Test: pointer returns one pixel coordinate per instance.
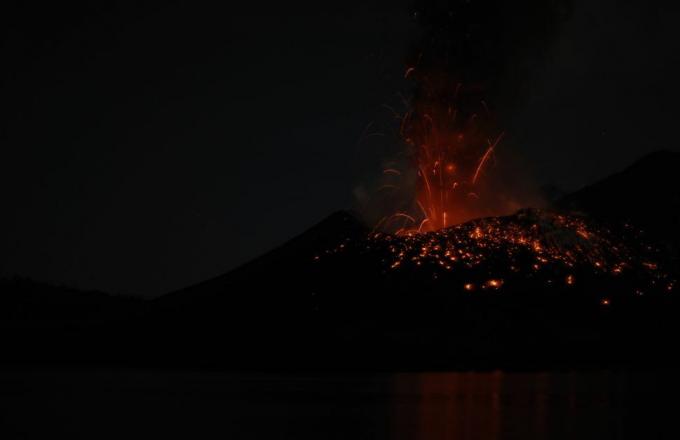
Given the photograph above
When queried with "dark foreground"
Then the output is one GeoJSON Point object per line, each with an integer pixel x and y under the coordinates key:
{"type": "Point", "coordinates": [132, 404]}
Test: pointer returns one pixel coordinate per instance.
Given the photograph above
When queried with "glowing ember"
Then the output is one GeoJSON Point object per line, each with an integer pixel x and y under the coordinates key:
{"type": "Point", "coordinates": [451, 143]}
{"type": "Point", "coordinates": [549, 238]}
{"type": "Point", "coordinates": [500, 252]}
{"type": "Point", "coordinates": [494, 284]}
{"type": "Point", "coordinates": [450, 151]}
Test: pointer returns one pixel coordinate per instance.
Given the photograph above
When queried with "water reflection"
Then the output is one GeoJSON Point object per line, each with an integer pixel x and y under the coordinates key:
{"type": "Point", "coordinates": [457, 406]}
{"type": "Point", "coordinates": [532, 406]}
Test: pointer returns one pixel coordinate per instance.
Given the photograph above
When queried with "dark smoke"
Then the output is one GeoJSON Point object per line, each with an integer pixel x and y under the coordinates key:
{"type": "Point", "coordinates": [492, 46]}
{"type": "Point", "coordinates": [489, 51]}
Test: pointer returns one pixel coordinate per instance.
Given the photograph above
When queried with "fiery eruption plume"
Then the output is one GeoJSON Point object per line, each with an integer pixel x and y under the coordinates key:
{"type": "Point", "coordinates": [451, 141]}
{"type": "Point", "coordinates": [451, 145]}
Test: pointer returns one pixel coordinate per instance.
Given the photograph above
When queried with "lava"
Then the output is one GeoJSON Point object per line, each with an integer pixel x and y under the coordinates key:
{"type": "Point", "coordinates": [496, 252]}
{"type": "Point", "coordinates": [450, 141]}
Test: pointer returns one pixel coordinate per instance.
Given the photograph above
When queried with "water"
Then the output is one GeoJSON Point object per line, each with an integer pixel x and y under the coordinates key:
{"type": "Point", "coordinates": [149, 405]}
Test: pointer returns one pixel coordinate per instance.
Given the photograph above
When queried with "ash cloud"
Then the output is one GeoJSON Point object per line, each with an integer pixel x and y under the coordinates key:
{"type": "Point", "coordinates": [498, 45]}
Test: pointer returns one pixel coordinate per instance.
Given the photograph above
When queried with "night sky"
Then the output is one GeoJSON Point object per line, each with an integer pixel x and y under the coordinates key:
{"type": "Point", "coordinates": [148, 148]}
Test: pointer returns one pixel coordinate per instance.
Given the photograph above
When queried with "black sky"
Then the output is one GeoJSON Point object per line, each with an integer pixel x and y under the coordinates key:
{"type": "Point", "coordinates": [146, 148]}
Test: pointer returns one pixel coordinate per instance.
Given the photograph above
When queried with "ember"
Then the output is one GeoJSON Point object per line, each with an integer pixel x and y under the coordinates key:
{"type": "Point", "coordinates": [450, 148]}
{"type": "Point", "coordinates": [530, 244]}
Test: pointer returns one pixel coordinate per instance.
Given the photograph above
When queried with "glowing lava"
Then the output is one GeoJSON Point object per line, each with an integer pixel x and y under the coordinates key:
{"type": "Point", "coordinates": [531, 246]}
{"type": "Point", "coordinates": [450, 141]}
{"type": "Point", "coordinates": [450, 156]}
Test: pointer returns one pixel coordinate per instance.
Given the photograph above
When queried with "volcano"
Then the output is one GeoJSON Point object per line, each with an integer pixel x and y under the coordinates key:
{"type": "Point", "coordinates": [557, 286]}
{"type": "Point", "coordinates": [589, 281]}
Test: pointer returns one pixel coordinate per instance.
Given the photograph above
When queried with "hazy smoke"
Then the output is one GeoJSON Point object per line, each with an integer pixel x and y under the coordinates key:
{"type": "Point", "coordinates": [496, 45]}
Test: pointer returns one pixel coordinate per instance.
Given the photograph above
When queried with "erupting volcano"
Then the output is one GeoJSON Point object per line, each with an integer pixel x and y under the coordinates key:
{"type": "Point", "coordinates": [460, 229]}
{"type": "Point", "coordinates": [467, 64]}
{"type": "Point", "coordinates": [457, 233]}
{"type": "Point", "coordinates": [450, 140]}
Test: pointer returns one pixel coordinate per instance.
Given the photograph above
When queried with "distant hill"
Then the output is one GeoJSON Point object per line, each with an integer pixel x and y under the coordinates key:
{"type": "Point", "coordinates": [44, 324]}
{"type": "Point", "coordinates": [647, 194]}
{"type": "Point", "coordinates": [277, 262]}
{"type": "Point", "coordinates": [24, 301]}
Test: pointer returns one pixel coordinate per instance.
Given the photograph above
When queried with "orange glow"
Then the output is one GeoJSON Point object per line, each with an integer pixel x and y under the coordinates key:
{"type": "Point", "coordinates": [485, 158]}
{"type": "Point", "coordinates": [494, 284]}
{"type": "Point", "coordinates": [392, 171]}
{"type": "Point", "coordinates": [542, 244]}
{"type": "Point", "coordinates": [452, 149]}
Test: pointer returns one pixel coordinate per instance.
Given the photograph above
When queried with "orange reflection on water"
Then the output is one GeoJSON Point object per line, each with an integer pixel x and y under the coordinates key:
{"type": "Point", "coordinates": [447, 406]}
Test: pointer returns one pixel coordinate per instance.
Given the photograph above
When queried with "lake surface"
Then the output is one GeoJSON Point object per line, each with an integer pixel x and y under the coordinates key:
{"type": "Point", "coordinates": [128, 404]}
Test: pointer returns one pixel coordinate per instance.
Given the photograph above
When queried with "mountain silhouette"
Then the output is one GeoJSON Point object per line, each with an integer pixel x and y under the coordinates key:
{"type": "Point", "coordinates": [330, 296]}
{"type": "Point", "coordinates": [646, 194]}
{"type": "Point", "coordinates": [591, 281]}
